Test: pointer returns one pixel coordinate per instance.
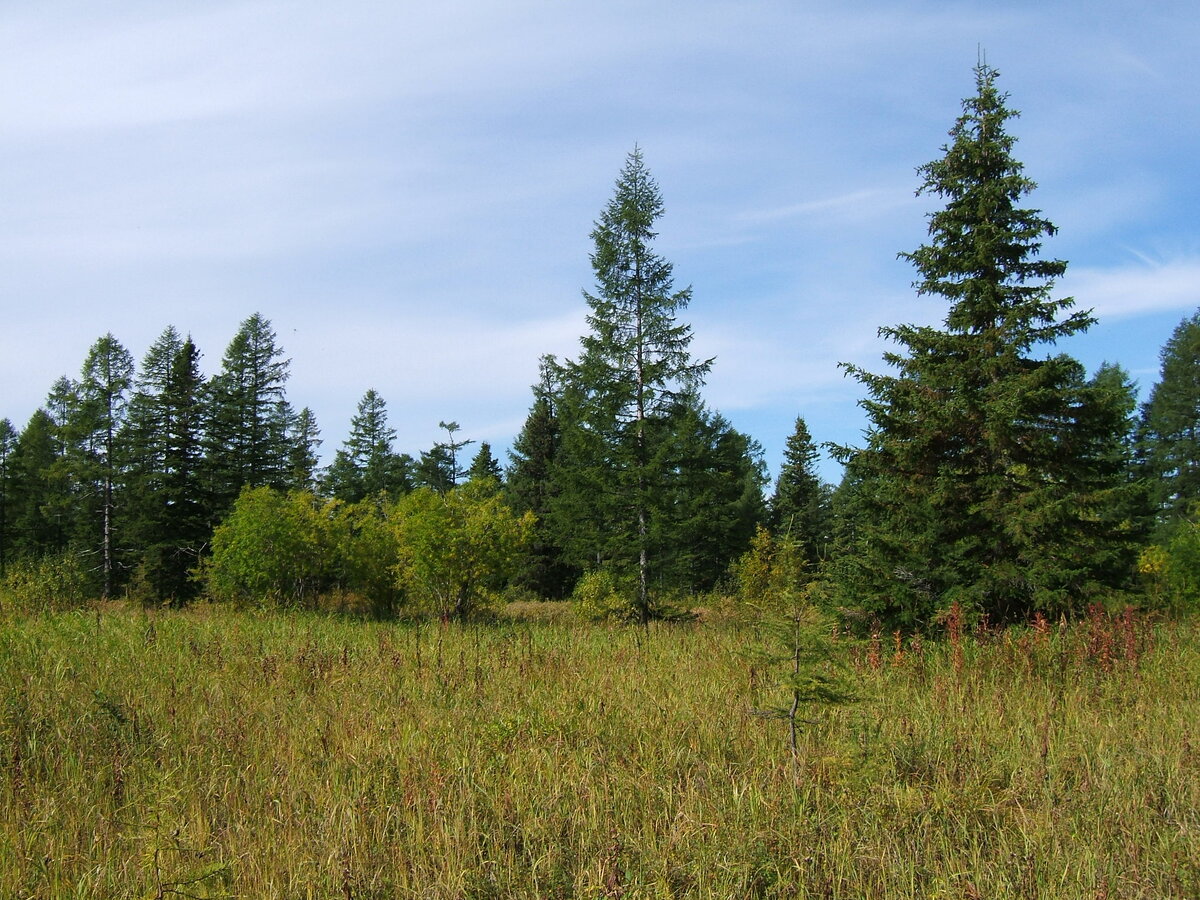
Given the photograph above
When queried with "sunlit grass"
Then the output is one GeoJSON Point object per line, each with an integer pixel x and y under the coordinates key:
{"type": "Point", "coordinates": [218, 753]}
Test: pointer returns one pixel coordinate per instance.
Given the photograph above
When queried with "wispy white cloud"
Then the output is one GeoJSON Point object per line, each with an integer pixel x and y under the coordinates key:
{"type": "Point", "coordinates": [407, 190]}
{"type": "Point", "coordinates": [1136, 289]}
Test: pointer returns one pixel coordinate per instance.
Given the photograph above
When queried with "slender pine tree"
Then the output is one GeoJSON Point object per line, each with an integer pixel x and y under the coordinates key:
{"type": "Point", "coordinates": [635, 364]}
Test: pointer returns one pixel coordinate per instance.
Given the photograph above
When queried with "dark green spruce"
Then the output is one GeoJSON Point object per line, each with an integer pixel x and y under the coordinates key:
{"type": "Point", "coordinates": [1170, 428]}
{"type": "Point", "coordinates": [800, 504]}
{"type": "Point", "coordinates": [987, 469]}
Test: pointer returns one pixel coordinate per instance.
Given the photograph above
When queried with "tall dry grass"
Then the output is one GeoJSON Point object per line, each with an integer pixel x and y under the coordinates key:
{"type": "Point", "coordinates": [210, 753]}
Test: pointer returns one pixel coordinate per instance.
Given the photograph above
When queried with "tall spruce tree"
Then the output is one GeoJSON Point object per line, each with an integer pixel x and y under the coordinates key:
{"type": "Point", "coordinates": [709, 499]}
{"type": "Point", "coordinates": [246, 433]}
{"type": "Point", "coordinates": [634, 366]}
{"type": "Point", "coordinates": [163, 436]}
{"type": "Point", "coordinates": [800, 504]}
{"type": "Point", "coordinates": [1170, 427]}
{"type": "Point", "coordinates": [484, 466]}
{"type": "Point", "coordinates": [982, 479]}
{"type": "Point", "coordinates": [36, 490]}
{"type": "Point", "coordinates": [304, 439]}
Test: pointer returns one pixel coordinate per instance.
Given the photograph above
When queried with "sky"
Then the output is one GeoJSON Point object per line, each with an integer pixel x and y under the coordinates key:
{"type": "Point", "coordinates": [406, 191]}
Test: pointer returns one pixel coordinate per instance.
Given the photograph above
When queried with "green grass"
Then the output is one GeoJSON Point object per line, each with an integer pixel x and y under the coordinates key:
{"type": "Point", "coordinates": [215, 753]}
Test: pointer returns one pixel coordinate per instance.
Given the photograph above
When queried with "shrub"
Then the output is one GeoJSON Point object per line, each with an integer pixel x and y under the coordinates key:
{"type": "Point", "coordinates": [48, 584]}
{"type": "Point", "coordinates": [601, 596]}
{"type": "Point", "coordinates": [275, 547]}
{"type": "Point", "coordinates": [456, 551]}
{"type": "Point", "coordinates": [1171, 573]}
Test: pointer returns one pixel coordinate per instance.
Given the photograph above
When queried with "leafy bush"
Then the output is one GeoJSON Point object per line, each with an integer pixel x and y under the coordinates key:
{"type": "Point", "coordinates": [601, 596]}
{"type": "Point", "coordinates": [1171, 573]}
{"type": "Point", "coordinates": [272, 547]}
{"type": "Point", "coordinates": [48, 584]}
{"type": "Point", "coordinates": [457, 550]}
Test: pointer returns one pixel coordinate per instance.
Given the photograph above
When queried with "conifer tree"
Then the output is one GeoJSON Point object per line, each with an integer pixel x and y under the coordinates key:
{"type": "Point", "coordinates": [1170, 427]}
{"type": "Point", "coordinates": [304, 439]}
{"type": "Point", "coordinates": [634, 365]}
{"type": "Point", "coordinates": [439, 467]}
{"type": "Point", "coordinates": [982, 479]}
{"type": "Point", "coordinates": [484, 466]}
{"type": "Point", "coordinates": [94, 425]}
{"type": "Point", "coordinates": [800, 504]}
{"type": "Point", "coordinates": [37, 489]}
{"type": "Point", "coordinates": [163, 436]}
{"type": "Point", "coordinates": [8, 443]}
{"type": "Point", "coordinates": [709, 495]}
{"type": "Point", "coordinates": [530, 487]}
{"type": "Point", "coordinates": [366, 465]}
{"type": "Point", "coordinates": [55, 513]}
{"type": "Point", "coordinates": [246, 433]}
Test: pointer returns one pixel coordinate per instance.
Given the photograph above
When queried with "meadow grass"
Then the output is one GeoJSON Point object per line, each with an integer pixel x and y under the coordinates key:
{"type": "Point", "coordinates": [216, 753]}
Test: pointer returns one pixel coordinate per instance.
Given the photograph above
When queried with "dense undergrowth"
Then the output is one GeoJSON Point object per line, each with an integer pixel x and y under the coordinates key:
{"type": "Point", "coordinates": [211, 753]}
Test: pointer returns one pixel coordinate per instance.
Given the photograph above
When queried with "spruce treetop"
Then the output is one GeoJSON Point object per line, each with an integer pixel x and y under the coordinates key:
{"type": "Point", "coordinates": [984, 246]}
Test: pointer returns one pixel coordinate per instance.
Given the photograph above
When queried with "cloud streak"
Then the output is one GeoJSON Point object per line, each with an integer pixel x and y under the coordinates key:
{"type": "Point", "coordinates": [407, 191]}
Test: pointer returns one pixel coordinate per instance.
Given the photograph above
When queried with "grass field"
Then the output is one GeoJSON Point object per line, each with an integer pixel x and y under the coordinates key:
{"type": "Point", "coordinates": [213, 753]}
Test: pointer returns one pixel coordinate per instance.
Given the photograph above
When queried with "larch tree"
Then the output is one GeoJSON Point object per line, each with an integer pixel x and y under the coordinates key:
{"type": "Point", "coordinates": [96, 421]}
{"type": "Point", "coordinates": [635, 364]}
{"type": "Point", "coordinates": [983, 478]}
{"type": "Point", "coordinates": [439, 467]}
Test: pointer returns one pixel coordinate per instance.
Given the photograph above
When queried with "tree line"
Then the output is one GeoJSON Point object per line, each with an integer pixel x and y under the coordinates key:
{"type": "Point", "coordinates": [994, 473]}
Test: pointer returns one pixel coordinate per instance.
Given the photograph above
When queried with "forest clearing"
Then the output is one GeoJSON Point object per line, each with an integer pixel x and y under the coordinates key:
{"type": "Point", "coordinates": [619, 665]}
{"type": "Point", "coordinates": [212, 752]}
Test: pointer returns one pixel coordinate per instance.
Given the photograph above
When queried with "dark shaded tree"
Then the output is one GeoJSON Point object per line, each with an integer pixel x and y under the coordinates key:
{"type": "Point", "coordinates": [8, 444]}
{"type": "Point", "coordinates": [168, 520]}
{"type": "Point", "coordinates": [37, 490]}
{"type": "Point", "coordinates": [530, 486]}
{"type": "Point", "coordinates": [484, 466]}
{"type": "Point", "coordinates": [709, 495]}
{"type": "Point", "coordinates": [366, 465]}
{"type": "Point", "coordinates": [439, 467]}
{"type": "Point", "coordinates": [1170, 428]}
{"type": "Point", "coordinates": [304, 441]}
{"type": "Point", "coordinates": [246, 433]}
{"type": "Point", "coordinates": [800, 504]}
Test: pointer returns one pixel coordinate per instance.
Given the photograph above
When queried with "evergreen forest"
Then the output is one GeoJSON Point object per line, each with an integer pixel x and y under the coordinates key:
{"type": "Point", "coordinates": [997, 478]}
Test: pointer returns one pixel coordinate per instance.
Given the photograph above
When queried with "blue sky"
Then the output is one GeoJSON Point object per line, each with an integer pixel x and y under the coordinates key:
{"type": "Point", "coordinates": [406, 190]}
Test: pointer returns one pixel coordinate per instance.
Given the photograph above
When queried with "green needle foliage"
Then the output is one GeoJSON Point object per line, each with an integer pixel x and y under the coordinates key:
{"type": "Point", "coordinates": [988, 468]}
{"type": "Point", "coordinates": [646, 480]}
{"type": "Point", "coordinates": [1170, 429]}
{"type": "Point", "coordinates": [794, 643]}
